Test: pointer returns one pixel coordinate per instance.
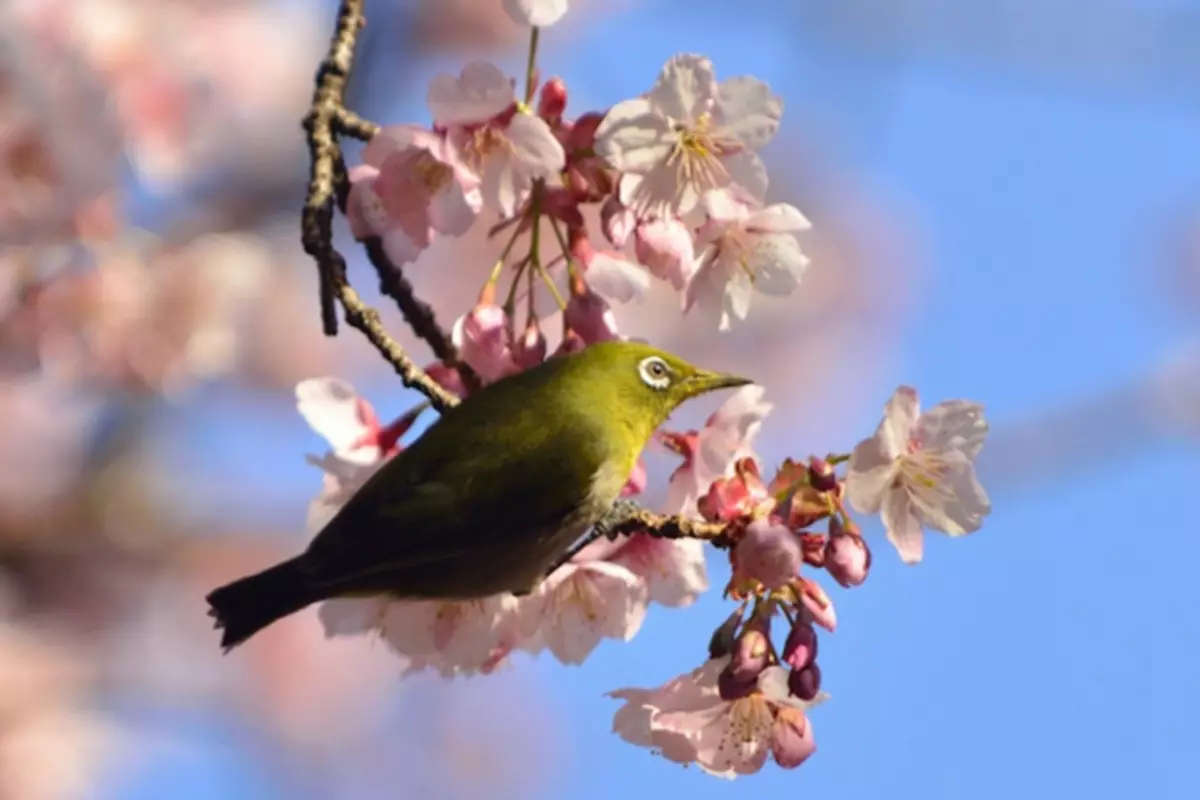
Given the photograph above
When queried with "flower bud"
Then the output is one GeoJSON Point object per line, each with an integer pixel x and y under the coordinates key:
{"type": "Point", "coordinates": [848, 559]}
{"type": "Point", "coordinates": [821, 475]}
{"type": "Point", "coordinates": [571, 343]}
{"type": "Point", "coordinates": [666, 247]}
{"type": "Point", "coordinates": [531, 347]}
{"type": "Point", "coordinates": [589, 315]}
{"type": "Point", "coordinates": [770, 553]}
{"type": "Point", "coordinates": [448, 378]}
{"type": "Point", "coordinates": [482, 339]}
{"type": "Point", "coordinates": [800, 649]}
{"type": "Point", "coordinates": [751, 653]}
{"type": "Point", "coordinates": [731, 688]}
{"type": "Point", "coordinates": [617, 222]}
{"type": "Point", "coordinates": [583, 132]}
{"type": "Point", "coordinates": [805, 683]}
{"type": "Point", "coordinates": [813, 545]}
{"type": "Point", "coordinates": [792, 740]}
{"type": "Point", "coordinates": [722, 641]}
{"type": "Point", "coordinates": [552, 101]}
{"type": "Point", "coordinates": [818, 604]}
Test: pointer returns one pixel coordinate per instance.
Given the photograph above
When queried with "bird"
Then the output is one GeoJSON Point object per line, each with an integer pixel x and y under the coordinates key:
{"type": "Point", "coordinates": [490, 496]}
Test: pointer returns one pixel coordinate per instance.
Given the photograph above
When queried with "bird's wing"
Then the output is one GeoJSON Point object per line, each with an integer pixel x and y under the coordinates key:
{"type": "Point", "coordinates": [430, 511]}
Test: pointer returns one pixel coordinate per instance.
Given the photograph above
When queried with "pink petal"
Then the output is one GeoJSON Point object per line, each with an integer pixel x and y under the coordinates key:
{"type": "Point", "coordinates": [334, 410]}
{"type": "Point", "coordinates": [481, 91]}
{"type": "Point", "coordinates": [616, 279]}
{"type": "Point", "coordinates": [903, 527]}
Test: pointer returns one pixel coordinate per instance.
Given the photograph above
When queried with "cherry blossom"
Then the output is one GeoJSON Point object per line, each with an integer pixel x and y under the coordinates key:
{"type": "Point", "coordinates": [481, 336]}
{"type": "Point", "coordinates": [688, 135]}
{"type": "Point", "coordinates": [918, 471]}
{"type": "Point", "coordinates": [666, 247]}
{"type": "Point", "coordinates": [423, 183]}
{"type": "Point", "coordinates": [674, 570]}
{"type": "Point", "coordinates": [744, 247]}
{"type": "Point", "coordinates": [710, 453]}
{"type": "Point", "coordinates": [586, 601]}
{"type": "Point", "coordinates": [536, 13]}
{"type": "Point", "coordinates": [506, 145]}
{"type": "Point", "coordinates": [687, 720]}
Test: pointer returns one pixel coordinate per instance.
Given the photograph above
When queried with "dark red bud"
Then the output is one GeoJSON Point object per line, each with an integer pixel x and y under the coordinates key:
{"type": "Point", "coordinates": [821, 476]}
{"type": "Point", "coordinates": [731, 688]}
{"type": "Point", "coordinates": [805, 683]}
{"type": "Point", "coordinates": [800, 649]}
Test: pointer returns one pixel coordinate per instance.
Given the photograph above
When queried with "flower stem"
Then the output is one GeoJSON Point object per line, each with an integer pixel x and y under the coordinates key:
{"type": "Point", "coordinates": [531, 66]}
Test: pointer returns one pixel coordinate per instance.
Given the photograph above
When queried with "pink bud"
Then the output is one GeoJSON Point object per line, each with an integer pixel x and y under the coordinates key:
{"type": "Point", "coordinates": [589, 315]}
{"type": "Point", "coordinates": [800, 649]}
{"type": "Point", "coordinates": [553, 100]}
{"type": "Point", "coordinates": [447, 377]}
{"type": "Point", "coordinates": [722, 642]}
{"type": "Point", "coordinates": [482, 339]}
{"type": "Point", "coordinates": [571, 343]}
{"type": "Point", "coordinates": [770, 553]}
{"type": "Point", "coordinates": [531, 348]}
{"type": "Point", "coordinates": [731, 688]}
{"type": "Point", "coordinates": [818, 604]}
{"type": "Point", "coordinates": [583, 132]}
{"type": "Point", "coordinates": [617, 222]}
{"type": "Point", "coordinates": [848, 559]}
{"type": "Point", "coordinates": [792, 740]}
{"type": "Point", "coordinates": [751, 653]}
{"type": "Point", "coordinates": [666, 247]}
{"type": "Point", "coordinates": [805, 683]}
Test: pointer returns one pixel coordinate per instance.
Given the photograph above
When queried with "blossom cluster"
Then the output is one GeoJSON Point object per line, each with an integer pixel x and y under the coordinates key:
{"type": "Point", "coordinates": [675, 181]}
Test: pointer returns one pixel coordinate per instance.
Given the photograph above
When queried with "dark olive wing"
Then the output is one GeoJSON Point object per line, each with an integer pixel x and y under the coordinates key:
{"type": "Point", "coordinates": [438, 502]}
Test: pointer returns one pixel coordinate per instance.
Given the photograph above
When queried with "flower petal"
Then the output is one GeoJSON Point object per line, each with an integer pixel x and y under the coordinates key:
{"type": "Point", "coordinates": [685, 89]}
{"type": "Point", "coordinates": [535, 13]}
{"type": "Point", "coordinates": [899, 420]}
{"type": "Point", "coordinates": [748, 110]}
{"type": "Point", "coordinates": [616, 279]}
{"type": "Point", "coordinates": [535, 147]}
{"type": "Point", "coordinates": [953, 425]}
{"type": "Point", "coordinates": [633, 138]}
{"type": "Point", "coordinates": [351, 616]}
{"type": "Point", "coordinates": [957, 503]}
{"type": "Point", "coordinates": [903, 527]}
{"type": "Point", "coordinates": [777, 263]}
{"type": "Point", "coordinates": [590, 602]}
{"type": "Point", "coordinates": [334, 410]}
{"type": "Point", "coordinates": [871, 471]}
{"type": "Point", "coordinates": [479, 92]}
{"type": "Point", "coordinates": [778, 218]}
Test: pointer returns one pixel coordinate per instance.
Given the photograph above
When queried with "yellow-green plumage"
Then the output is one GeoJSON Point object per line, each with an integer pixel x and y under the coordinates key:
{"type": "Point", "coordinates": [491, 495]}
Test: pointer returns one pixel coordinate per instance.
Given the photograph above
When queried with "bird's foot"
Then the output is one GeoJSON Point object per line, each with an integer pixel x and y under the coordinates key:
{"type": "Point", "coordinates": [621, 512]}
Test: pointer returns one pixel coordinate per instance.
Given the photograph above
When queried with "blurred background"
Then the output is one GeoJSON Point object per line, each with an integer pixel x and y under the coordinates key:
{"type": "Point", "coordinates": [1006, 207]}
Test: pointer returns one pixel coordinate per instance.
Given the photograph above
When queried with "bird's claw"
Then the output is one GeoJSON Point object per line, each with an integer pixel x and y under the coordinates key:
{"type": "Point", "coordinates": [621, 511]}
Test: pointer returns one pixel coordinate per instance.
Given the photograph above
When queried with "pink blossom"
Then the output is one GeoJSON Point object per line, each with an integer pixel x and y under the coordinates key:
{"type": "Point", "coordinates": [359, 442]}
{"type": "Point", "coordinates": [423, 183]}
{"type": "Point", "coordinates": [530, 349]}
{"type": "Point", "coordinates": [742, 248]}
{"type": "Point", "coordinates": [584, 602]}
{"type": "Point", "coordinates": [674, 569]}
{"type": "Point", "coordinates": [751, 652]}
{"type": "Point", "coordinates": [666, 247]}
{"type": "Point", "coordinates": [688, 135]}
{"type": "Point", "coordinates": [450, 637]}
{"type": "Point", "coordinates": [770, 553]}
{"type": "Point", "coordinates": [504, 144]}
{"type": "Point", "coordinates": [609, 274]}
{"type": "Point", "coordinates": [481, 336]}
{"type": "Point", "coordinates": [369, 217]}
{"type": "Point", "coordinates": [687, 720]}
{"type": "Point", "coordinates": [617, 222]}
{"type": "Point", "coordinates": [710, 453]}
{"type": "Point", "coordinates": [817, 604]}
{"type": "Point", "coordinates": [918, 469]}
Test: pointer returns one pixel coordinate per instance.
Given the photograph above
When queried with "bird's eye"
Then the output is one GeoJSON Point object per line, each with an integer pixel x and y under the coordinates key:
{"type": "Point", "coordinates": [655, 372]}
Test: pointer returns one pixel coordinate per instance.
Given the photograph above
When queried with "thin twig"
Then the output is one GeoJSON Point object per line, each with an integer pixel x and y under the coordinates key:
{"type": "Point", "coordinates": [327, 182]}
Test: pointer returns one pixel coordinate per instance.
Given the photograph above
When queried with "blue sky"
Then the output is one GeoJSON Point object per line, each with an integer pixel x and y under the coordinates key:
{"type": "Point", "coordinates": [1051, 654]}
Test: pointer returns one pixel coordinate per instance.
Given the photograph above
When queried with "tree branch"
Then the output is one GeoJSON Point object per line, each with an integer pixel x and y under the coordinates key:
{"type": "Point", "coordinates": [328, 184]}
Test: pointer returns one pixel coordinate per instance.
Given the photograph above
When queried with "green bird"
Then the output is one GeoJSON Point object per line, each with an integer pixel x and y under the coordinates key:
{"type": "Point", "coordinates": [491, 496]}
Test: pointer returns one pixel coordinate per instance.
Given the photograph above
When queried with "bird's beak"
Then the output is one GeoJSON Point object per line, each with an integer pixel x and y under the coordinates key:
{"type": "Point", "coordinates": [704, 381]}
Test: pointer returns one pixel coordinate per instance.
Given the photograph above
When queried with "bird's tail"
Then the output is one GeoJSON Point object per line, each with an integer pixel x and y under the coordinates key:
{"type": "Point", "coordinates": [246, 606]}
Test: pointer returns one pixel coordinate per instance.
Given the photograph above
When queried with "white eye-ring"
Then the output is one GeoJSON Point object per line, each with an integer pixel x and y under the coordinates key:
{"type": "Point", "coordinates": [655, 372]}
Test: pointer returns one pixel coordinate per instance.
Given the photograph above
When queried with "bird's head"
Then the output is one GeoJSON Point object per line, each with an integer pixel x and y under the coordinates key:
{"type": "Point", "coordinates": [647, 382]}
